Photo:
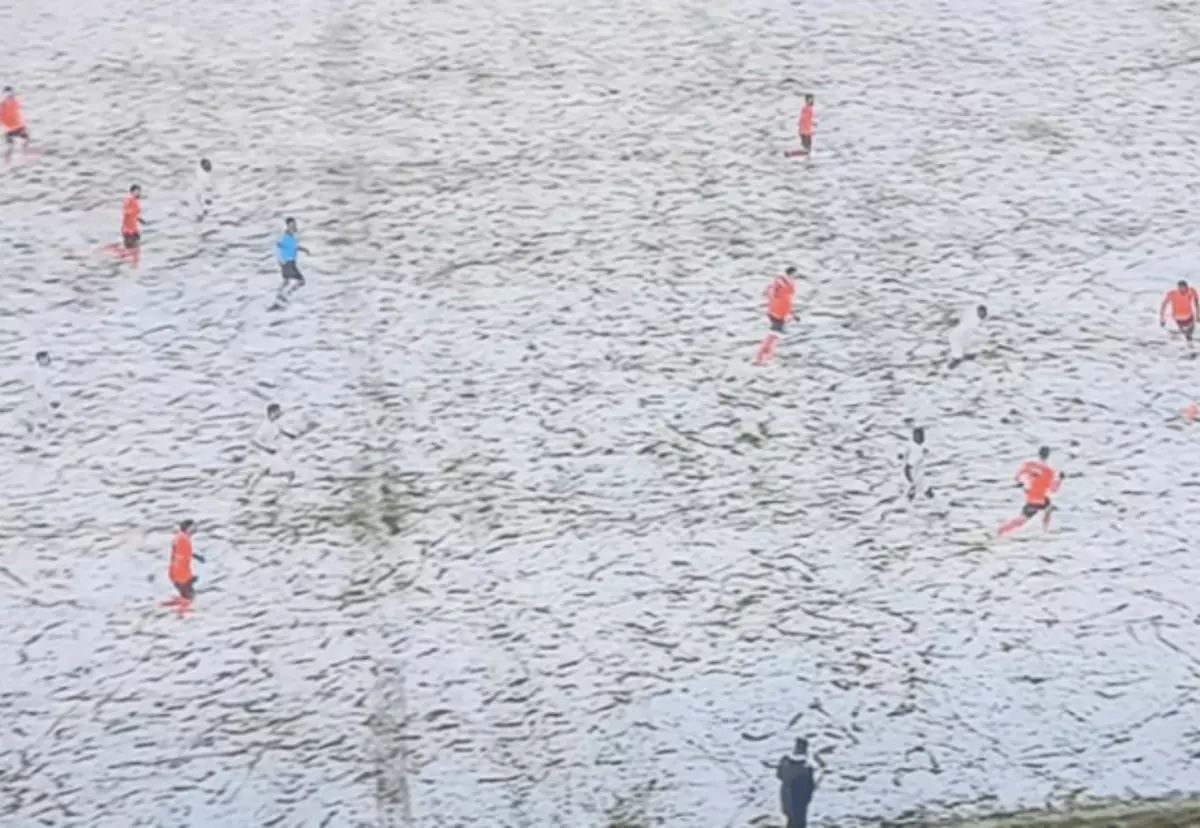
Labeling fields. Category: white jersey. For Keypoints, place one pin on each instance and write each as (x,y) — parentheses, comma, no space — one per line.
(273,448)
(965,334)
(269,438)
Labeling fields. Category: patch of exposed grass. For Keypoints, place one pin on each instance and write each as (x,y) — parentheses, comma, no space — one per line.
(633,809)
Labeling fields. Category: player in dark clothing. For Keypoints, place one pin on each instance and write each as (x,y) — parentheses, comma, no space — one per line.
(797,781)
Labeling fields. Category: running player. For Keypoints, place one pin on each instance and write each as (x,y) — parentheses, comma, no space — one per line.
(805,129)
(180,571)
(914,465)
(781,298)
(1039,482)
(288,246)
(12,121)
(267,439)
(47,405)
(1185,307)
(202,191)
(964,334)
(806,123)
(131,226)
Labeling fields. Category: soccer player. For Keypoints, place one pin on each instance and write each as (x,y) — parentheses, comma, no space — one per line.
(202,190)
(1039,481)
(781,299)
(1185,307)
(287,247)
(12,121)
(268,439)
(914,465)
(180,571)
(964,334)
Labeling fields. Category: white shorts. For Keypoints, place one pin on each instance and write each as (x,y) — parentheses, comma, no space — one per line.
(277,464)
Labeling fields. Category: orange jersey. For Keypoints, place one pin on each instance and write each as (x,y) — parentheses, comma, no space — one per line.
(1182,302)
(781,296)
(1038,479)
(806,120)
(10,115)
(181,559)
(132,216)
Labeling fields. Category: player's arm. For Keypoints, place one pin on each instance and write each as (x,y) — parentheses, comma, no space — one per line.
(1195,304)
(261,447)
(1162,310)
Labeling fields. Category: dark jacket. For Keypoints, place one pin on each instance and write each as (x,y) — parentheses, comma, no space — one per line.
(796,784)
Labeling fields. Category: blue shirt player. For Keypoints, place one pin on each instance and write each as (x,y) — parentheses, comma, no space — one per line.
(287,247)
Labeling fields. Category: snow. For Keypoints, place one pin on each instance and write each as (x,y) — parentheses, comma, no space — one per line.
(618,553)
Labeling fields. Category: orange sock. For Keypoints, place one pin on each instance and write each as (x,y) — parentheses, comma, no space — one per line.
(1011,525)
(767,349)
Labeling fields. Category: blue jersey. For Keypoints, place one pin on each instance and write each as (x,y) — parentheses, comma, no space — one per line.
(287,246)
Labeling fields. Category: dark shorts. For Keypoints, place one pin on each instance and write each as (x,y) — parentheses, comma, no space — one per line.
(776,323)
(13,134)
(132,240)
(1186,326)
(1031,509)
(806,142)
(291,273)
(187,589)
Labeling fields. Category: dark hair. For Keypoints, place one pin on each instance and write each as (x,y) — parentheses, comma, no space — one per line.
(289,220)
(791,271)
(134,188)
(802,746)
(1181,284)
(1044,452)
(186,525)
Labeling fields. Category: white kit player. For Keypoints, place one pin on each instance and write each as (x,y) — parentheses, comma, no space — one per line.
(270,441)
(914,465)
(965,335)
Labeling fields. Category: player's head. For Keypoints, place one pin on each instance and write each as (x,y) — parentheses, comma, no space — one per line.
(43,358)
(808,99)
(1044,453)
(290,224)
(135,190)
(981,311)
(186,526)
(1182,284)
(790,271)
(918,435)
(8,91)
(274,412)
(801,748)
(205,165)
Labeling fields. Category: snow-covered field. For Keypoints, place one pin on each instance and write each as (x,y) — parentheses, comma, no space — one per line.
(555,541)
